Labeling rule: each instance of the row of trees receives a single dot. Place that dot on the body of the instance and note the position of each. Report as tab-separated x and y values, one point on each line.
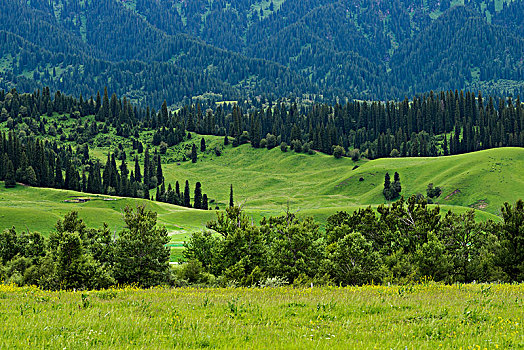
401	243
406	241
78	257
429	125
38	163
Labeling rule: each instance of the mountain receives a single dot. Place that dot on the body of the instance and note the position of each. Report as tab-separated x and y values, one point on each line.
228	50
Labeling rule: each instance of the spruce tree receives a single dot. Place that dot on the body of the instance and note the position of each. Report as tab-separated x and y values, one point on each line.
59	179
10	175
197	199
159	174
231	202
194	154
202	145
204	202
138	175
396	184
187	196
147	169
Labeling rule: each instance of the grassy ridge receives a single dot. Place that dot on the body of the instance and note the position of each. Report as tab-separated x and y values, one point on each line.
272	180
38	209
426	316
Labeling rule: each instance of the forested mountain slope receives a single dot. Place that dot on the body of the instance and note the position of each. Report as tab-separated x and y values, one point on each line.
223	50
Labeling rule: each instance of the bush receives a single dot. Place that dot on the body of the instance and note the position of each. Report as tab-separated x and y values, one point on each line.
296	145
283	147
433	192
338	152
271	141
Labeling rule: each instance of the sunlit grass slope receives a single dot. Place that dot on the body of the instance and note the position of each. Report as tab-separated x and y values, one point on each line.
426	316
272	180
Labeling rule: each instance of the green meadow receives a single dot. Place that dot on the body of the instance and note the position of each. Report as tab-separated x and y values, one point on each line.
421	316
271	182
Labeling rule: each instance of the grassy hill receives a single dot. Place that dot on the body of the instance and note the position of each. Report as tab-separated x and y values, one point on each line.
272	180
269	182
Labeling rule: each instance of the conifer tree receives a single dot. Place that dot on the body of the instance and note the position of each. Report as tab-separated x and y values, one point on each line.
194	154
147	169
204	202
197	199
202	145
59	180
187	196
10	175
159	174
138	175
231	202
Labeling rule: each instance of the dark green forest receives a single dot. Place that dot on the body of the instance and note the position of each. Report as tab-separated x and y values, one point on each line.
317	50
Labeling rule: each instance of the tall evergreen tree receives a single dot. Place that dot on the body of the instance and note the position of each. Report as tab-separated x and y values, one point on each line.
197	199
10	175
205	205
194	154
159	174
187	196
231	201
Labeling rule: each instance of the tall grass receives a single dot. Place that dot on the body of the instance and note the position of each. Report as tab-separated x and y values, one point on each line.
426	316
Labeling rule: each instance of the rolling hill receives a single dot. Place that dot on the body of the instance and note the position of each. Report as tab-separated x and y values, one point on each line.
270	181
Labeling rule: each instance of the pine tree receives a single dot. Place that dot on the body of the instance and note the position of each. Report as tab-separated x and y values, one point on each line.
202	145
159	174
10	175
231	202
387	182
197	199
178	197
59	180
396	184
187	196
138	175
194	154
204	202
147	169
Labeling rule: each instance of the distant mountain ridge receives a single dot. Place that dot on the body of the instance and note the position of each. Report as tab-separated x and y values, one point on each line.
223	50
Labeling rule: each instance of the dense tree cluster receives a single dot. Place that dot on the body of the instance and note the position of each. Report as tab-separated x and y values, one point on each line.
404	242
433	124
30	160
78	257
392	189
223	50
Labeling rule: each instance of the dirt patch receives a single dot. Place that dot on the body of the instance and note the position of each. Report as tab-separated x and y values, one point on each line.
457	191
77	200
480	204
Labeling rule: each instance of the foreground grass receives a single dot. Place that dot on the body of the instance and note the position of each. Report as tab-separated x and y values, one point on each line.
413	317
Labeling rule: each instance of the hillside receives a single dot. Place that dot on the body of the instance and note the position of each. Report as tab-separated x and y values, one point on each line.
266	182
270	180
229	50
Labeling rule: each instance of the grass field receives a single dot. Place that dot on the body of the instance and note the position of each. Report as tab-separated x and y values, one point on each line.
428	316
269	182
272	180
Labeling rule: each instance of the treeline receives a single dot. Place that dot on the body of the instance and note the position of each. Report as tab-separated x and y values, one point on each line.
401	243
434	124
40	163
